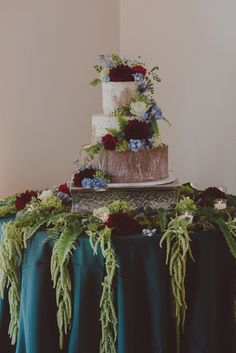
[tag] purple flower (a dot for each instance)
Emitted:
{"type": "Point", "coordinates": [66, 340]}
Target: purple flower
{"type": "Point", "coordinates": [143, 86]}
{"type": "Point", "coordinates": [109, 64]}
{"type": "Point", "coordinates": [145, 117]}
{"type": "Point", "coordinates": [66, 199]}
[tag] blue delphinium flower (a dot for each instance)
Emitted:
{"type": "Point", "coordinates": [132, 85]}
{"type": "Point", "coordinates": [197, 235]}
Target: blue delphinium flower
{"type": "Point", "coordinates": [138, 77]}
{"type": "Point", "coordinates": [98, 183]}
{"type": "Point", "coordinates": [155, 111]}
{"type": "Point", "coordinates": [87, 183]}
{"type": "Point", "coordinates": [109, 64]}
{"type": "Point", "coordinates": [143, 86]}
{"type": "Point", "coordinates": [105, 78]}
{"type": "Point", "coordinates": [145, 117]}
{"type": "Point", "coordinates": [136, 145]}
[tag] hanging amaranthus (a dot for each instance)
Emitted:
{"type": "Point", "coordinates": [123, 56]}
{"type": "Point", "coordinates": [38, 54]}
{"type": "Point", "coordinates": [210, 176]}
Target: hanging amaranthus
{"type": "Point", "coordinates": [178, 248]}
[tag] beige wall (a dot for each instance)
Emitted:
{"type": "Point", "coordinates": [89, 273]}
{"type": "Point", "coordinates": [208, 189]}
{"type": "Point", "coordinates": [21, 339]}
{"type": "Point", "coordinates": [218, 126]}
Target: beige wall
{"type": "Point", "coordinates": [194, 44]}
{"type": "Point", "coordinates": [47, 49]}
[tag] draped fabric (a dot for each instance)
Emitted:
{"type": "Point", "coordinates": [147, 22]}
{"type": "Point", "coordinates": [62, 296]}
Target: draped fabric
{"type": "Point", "coordinates": [143, 299]}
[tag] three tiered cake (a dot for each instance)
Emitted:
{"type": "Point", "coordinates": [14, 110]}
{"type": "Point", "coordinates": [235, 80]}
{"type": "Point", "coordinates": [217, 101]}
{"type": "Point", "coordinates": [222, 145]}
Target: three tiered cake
{"type": "Point", "coordinates": [126, 142]}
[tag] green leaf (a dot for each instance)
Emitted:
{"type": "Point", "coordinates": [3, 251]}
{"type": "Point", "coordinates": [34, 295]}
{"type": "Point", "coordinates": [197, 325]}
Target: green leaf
{"type": "Point", "coordinates": [117, 59]}
{"type": "Point", "coordinates": [95, 82]}
{"type": "Point", "coordinates": [162, 219]}
{"type": "Point", "coordinates": [154, 127]}
{"type": "Point", "coordinates": [115, 132]}
{"type": "Point", "coordinates": [122, 122]}
{"type": "Point", "coordinates": [228, 236]}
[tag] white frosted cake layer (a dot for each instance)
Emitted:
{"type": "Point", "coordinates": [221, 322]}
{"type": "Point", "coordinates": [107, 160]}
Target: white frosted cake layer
{"type": "Point", "coordinates": [100, 124]}
{"type": "Point", "coordinates": [115, 93]}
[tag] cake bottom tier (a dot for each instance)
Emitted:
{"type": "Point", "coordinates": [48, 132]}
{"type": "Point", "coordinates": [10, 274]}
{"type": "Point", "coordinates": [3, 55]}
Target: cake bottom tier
{"type": "Point", "coordinates": [126, 167]}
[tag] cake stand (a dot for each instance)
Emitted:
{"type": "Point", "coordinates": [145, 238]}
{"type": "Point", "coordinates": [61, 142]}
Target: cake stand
{"type": "Point", "coordinates": [150, 194]}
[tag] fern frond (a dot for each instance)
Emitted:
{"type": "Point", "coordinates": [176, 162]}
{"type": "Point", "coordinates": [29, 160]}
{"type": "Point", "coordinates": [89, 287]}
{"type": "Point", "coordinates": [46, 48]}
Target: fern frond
{"type": "Point", "coordinates": [61, 254]}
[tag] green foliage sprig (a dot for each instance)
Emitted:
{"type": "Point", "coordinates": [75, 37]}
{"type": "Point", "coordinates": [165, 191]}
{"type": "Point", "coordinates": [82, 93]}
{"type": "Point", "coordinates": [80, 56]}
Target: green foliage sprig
{"type": "Point", "coordinates": [95, 82]}
{"type": "Point", "coordinates": [231, 224]}
{"type": "Point", "coordinates": [91, 151]}
{"type": "Point", "coordinates": [7, 206]}
{"type": "Point", "coordinates": [186, 204]}
{"type": "Point", "coordinates": [118, 206]}
{"type": "Point", "coordinates": [119, 133]}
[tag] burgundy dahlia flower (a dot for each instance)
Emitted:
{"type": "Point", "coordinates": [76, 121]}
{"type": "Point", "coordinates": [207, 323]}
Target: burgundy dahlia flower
{"type": "Point", "coordinates": [23, 199]}
{"type": "Point", "coordinates": [121, 73]}
{"type": "Point", "coordinates": [137, 130]}
{"type": "Point", "coordinates": [207, 197]}
{"type": "Point", "coordinates": [122, 224]}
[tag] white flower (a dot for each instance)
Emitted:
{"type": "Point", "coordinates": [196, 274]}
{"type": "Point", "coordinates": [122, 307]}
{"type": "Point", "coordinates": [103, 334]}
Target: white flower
{"type": "Point", "coordinates": [149, 232]}
{"type": "Point", "coordinates": [156, 140]}
{"type": "Point", "coordinates": [101, 213]}
{"type": "Point", "coordinates": [45, 194]}
{"type": "Point", "coordinates": [138, 108]}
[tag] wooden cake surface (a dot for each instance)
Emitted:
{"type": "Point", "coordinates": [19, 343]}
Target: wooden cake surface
{"type": "Point", "coordinates": [125, 167]}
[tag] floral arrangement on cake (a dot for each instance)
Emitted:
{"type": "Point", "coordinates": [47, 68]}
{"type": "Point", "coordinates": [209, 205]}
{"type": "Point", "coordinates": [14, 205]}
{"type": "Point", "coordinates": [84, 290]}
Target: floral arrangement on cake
{"type": "Point", "coordinates": [89, 178]}
{"type": "Point", "coordinates": [137, 116]}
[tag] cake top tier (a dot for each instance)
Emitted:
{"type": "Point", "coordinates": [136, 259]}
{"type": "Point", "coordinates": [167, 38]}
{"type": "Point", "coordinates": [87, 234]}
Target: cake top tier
{"type": "Point", "coordinates": [122, 80]}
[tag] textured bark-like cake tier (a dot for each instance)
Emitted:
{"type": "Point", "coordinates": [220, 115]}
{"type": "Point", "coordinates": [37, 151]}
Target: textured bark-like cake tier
{"type": "Point", "coordinates": [126, 167]}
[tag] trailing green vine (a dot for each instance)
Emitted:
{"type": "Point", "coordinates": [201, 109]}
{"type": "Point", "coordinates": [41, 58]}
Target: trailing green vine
{"type": "Point", "coordinates": [68, 227]}
{"type": "Point", "coordinates": [178, 247]}
{"type": "Point", "coordinates": [16, 234]}
{"type": "Point", "coordinates": [108, 315]}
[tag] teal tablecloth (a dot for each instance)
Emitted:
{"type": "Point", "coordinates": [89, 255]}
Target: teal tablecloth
{"type": "Point", "coordinates": [143, 299]}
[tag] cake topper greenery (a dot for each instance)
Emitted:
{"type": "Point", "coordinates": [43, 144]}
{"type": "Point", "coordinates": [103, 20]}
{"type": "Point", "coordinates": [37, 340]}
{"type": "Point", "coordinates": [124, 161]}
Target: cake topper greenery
{"type": "Point", "coordinates": [137, 116]}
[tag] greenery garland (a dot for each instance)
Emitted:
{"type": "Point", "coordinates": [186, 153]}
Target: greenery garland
{"type": "Point", "coordinates": [65, 227]}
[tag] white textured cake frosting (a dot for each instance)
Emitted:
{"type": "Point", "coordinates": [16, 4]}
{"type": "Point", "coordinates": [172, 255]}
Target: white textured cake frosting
{"type": "Point", "coordinates": [100, 124]}
{"type": "Point", "coordinates": [115, 93]}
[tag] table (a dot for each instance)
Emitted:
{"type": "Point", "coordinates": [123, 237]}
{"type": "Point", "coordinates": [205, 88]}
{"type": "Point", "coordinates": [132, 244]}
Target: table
{"type": "Point", "coordinates": [143, 299]}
